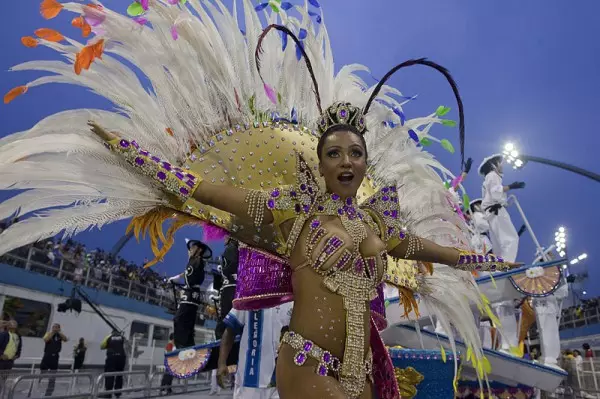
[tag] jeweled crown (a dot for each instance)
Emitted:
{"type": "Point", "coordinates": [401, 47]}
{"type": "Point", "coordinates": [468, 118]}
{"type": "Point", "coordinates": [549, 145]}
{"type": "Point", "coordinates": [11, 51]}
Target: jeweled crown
{"type": "Point", "coordinates": [341, 113]}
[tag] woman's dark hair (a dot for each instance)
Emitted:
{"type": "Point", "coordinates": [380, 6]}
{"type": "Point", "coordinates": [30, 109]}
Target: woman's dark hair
{"type": "Point", "coordinates": [340, 128]}
{"type": "Point", "coordinates": [586, 346]}
{"type": "Point", "coordinates": [490, 165]}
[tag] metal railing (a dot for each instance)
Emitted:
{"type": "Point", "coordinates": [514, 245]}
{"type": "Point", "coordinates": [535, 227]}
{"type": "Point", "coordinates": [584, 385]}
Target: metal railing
{"type": "Point", "coordinates": [137, 384]}
{"type": "Point", "coordinates": [587, 317]}
{"type": "Point", "coordinates": [67, 270]}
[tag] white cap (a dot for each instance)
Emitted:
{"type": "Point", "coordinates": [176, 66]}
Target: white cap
{"type": "Point", "coordinates": [487, 159]}
{"type": "Point", "coordinates": [187, 240]}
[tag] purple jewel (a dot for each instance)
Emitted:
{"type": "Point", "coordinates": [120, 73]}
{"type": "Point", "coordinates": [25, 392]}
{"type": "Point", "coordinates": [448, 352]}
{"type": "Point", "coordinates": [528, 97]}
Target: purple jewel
{"type": "Point", "coordinates": [303, 187]}
{"type": "Point", "coordinates": [307, 345]}
{"type": "Point", "coordinates": [499, 259]}
{"type": "Point", "coordinates": [300, 358]}
{"type": "Point", "coordinates": [343, 113]}
{"type": "Point", "coordinates": [306, 208]}
{"type": "Point", "coordinates": [275, 193]}
{"type": "Point", "coordinates": [326, 357]}
{"type": "Point", "coordinates": [161, 175]}
{"type": "Point", "coordinates": [480, 258]}
{"type": "Point", "coordinates": [124, 143]}
{"type": "Point", "coordinates": [320, 208]}
{"type": "Point", "coordinates": [322, 370]}
{"type": "Point", "coordinates": [144, 153]}
{"type": "Point", "coordinates": [292, 193]}
{"type": "Point", "coordinates": [184, 191]}
{"type": "Point", "coordinates": [189, 175]}
{"type": "Point", "coordinates": [190, 183]}
{"type": "Point", "coordinates": [139, 161]}
{"type": "Point", "coordinates": [385, 189]}
{"type": "Point", "coordinates": [385, 198]}
{"type": "Point", "coordinates": [402, 235]}
{"type": "Point", "coordinates": [348, 201]}
{"type": "Point", "coordinates": [271, 204]}
{"type": "Point", "coordinates": [166, 165]}
{"type": "Point", "coordinates": [179, 175]}
{"type": "Point", "coordinates": [297, 208]}
{"type": "Point", "coordinates": [155, 159]}
{"type": "Point", "coordinates": [394, 214]}
{"type": "Point", "coordinates": [315, 224]}
{"type": "Point", "coordinates": [335, 363]}
{"type": "Point", "coordinates": [461, 259]}
{"type": "Point", "coordinates": [135, 144]}
{"type": "Point", "coordinates": [386, 213]}
{"type": "Point", "coordinates": [390, 230]}
{"type": "Point", "coordinates": [335, 197]}
{"type": "Point", "coordinates": [340, 211]}
{"type": "Point", "coordinates": [373, 200]}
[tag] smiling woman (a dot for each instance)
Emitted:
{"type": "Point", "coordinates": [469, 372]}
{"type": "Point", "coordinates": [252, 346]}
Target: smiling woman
{"type": "Point", "coordinates": [207, 144]}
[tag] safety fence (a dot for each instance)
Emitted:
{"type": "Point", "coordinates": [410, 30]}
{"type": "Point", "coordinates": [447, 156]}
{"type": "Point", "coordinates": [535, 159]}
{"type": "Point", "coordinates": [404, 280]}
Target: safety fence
{"type": "Point", "coordinates": [20, 384]}
{"type": "Point", "coordinates": [583, 380]}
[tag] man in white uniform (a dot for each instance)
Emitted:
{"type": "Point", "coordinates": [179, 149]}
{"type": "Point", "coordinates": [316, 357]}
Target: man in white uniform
{"type": "Point", "coordinates": [261, 332]}
{"type": "Point", "coordinates": [479, 241]}
{"type": "Point", "coordinates": [547, 313]}
{"type": "Point", "coordinates": [504, 238]}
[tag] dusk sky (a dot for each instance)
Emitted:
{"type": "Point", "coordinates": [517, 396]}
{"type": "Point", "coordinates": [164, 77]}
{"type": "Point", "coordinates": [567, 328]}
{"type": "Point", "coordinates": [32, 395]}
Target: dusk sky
{"type": "Point", "coordinates": [528, 72]}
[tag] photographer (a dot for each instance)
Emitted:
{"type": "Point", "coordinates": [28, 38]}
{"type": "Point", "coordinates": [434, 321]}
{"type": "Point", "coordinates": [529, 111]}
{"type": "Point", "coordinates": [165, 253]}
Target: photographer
{"type": "Point", "coordinates": [53, 339]}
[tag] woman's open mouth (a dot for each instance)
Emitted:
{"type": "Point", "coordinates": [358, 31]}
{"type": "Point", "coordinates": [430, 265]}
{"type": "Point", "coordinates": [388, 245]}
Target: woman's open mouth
{"type": "Point", "coordinates": [346, 178]}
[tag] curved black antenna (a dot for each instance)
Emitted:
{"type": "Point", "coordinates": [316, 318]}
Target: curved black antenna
{"type": "Point", "coordinates": [449, 78]}
{"type": "Point", "coordinates": [288, 32]}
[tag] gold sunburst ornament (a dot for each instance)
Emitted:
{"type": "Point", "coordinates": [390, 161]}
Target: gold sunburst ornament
{"type": "Point", "coordinates": [187, 362]}
{"type": "Point", "coordinates": [408, 379]}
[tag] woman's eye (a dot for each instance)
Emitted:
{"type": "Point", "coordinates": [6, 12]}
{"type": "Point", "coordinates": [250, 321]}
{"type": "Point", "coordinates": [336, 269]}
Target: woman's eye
{"type": "Point", "coordinates": [357, 154]}
{"type": "Point", "coordinates": [333, 154]}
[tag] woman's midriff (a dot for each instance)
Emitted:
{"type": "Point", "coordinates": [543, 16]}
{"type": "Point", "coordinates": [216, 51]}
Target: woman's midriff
{"type": "Point", "coordinates": [319, 315]}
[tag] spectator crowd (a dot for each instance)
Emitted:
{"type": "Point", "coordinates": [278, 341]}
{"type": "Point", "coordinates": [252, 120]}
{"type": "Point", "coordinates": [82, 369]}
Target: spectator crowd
{"type": "Point", "coordinates": [72, 261]}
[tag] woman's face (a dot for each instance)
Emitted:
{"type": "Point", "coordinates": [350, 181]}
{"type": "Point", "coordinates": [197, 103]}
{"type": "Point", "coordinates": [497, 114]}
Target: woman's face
{"type": "Point", "coordinates": [343, 163]}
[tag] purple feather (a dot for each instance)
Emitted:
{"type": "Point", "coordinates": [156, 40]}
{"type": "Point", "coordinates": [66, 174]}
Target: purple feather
{"type": "Point", "coordinates": [314, 3]}
{"type": "Point", "coordinates": [270, 93]}
{"type": "Point", "coordinates": [302, 34]}
{"type": "Point", "coordinates": [314, 14]}
{"type": "Point", "coordinates": [210, 232]}
{"type": "Point", "coordinates": [400, 114]}
{"type": "Point", "coordinates": [284, 40]}
{"type": "Point", "coordinates": [261, 7]}
{"type": "Point", "coordinates": [286, 6]}
{"type": "Point", "coordinates": [413, 135]}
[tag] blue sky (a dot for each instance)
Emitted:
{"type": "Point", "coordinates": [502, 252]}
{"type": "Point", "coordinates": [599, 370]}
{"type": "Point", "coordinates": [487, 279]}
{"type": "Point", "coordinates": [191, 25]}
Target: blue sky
{"type": "Point", "coordinates": [527, 72]}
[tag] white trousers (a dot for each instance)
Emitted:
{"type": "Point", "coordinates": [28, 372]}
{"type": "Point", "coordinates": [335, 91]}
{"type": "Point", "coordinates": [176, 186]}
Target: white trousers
{"type": "Point", "coordinates": [504, 236]}
{"type": "Point", "coordinates": [546, 315]}
{"type": "Point", "coordinates": [214, 386]}
{"type": "Point", "coordinates": [508, 322]}
{"type": "Point", "coordinates": [485, 333]}
{"type": "Point", "coordinates": [254, 393]}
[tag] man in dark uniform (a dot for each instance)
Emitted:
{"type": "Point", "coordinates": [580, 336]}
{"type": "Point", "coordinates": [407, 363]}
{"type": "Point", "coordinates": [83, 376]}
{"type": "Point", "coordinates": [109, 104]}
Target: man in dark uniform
{"type": "Point", "coordinates": [228, 280]}
{"type": "Point", "coordinates": [185, 317]}
{"type": "Point", "coordinates": [53, 345]}
{"type": "Point", "coordinates": [114, 344]}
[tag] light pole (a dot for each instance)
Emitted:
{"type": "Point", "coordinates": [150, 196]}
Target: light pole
{"type": "Point", "coordinates": [518, 160]}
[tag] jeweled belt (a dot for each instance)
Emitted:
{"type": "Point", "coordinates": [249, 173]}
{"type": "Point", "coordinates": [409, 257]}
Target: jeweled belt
{"type": "Point", "coordinates": [326, 361]}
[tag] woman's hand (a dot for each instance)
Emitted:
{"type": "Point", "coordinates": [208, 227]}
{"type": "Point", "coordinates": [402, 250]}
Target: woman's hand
{"type": "Point", "coordinates": [101, 132]}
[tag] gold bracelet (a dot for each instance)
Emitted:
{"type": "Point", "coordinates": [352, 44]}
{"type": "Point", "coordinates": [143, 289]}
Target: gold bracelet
{"type": "Point", "coordinates": [177, 181]}
{"type": "Point", "coordinates": [470, 261]}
